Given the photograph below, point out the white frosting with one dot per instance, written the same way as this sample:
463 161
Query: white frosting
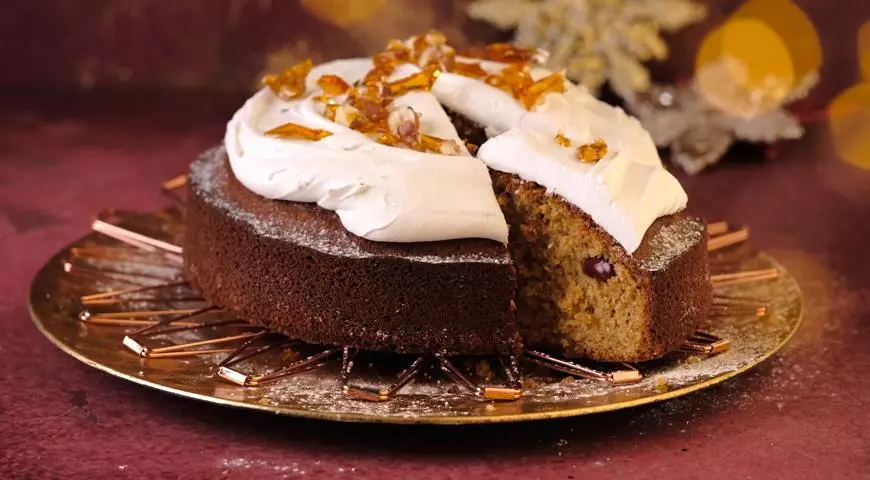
623 193
380 193
391 194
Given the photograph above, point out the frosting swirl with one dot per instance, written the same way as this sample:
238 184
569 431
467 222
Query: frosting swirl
380 193
385 193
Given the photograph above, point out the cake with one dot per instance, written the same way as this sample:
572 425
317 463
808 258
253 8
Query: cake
419 201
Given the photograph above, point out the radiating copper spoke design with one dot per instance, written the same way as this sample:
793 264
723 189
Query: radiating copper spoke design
160 304
619 373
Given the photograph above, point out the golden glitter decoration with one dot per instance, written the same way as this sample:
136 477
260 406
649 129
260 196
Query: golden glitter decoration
849 123
849 112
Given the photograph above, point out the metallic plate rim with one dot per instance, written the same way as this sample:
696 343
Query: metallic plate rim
409 420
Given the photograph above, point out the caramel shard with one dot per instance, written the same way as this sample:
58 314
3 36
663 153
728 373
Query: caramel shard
432 49
553 83
439 145
289 84
299 132
592 152
472 70
513 79
449 147
346 115
378 74
372 109
333 85
562 140
404 123
420 81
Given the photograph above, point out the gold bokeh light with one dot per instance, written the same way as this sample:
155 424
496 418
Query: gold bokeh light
849 113
344 13
754 61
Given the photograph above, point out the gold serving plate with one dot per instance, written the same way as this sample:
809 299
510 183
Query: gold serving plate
431 398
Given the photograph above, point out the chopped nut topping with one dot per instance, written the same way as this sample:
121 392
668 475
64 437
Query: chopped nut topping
440 145
562 140
366 107
289 84
592 152
296 131
345 114
432 49
404 123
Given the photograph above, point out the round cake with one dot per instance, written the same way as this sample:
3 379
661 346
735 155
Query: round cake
419 201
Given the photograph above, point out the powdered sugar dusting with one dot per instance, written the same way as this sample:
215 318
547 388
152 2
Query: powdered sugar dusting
752 339
671 241
431 397
208 174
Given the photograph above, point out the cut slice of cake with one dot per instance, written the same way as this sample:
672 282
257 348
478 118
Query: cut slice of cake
579 292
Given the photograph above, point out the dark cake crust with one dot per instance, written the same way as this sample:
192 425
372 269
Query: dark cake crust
292 267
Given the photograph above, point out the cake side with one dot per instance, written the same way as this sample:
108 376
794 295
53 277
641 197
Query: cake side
580 293
244 252
674 253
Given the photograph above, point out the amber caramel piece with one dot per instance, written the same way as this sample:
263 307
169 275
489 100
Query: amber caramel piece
299 132
345 114
562 140
513 79
592 152
553 83
378 74
420 81
333 85
432 49
289 84
373 110
467 69
439 145
386 138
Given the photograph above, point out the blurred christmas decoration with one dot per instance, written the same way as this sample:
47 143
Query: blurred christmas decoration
698 132
594 41
849 112
755 60
763 58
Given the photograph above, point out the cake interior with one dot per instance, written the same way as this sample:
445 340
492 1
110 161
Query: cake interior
575 291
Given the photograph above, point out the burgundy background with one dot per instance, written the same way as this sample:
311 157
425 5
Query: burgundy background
66 152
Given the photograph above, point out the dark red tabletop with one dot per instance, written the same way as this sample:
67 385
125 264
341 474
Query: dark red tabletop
803 414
